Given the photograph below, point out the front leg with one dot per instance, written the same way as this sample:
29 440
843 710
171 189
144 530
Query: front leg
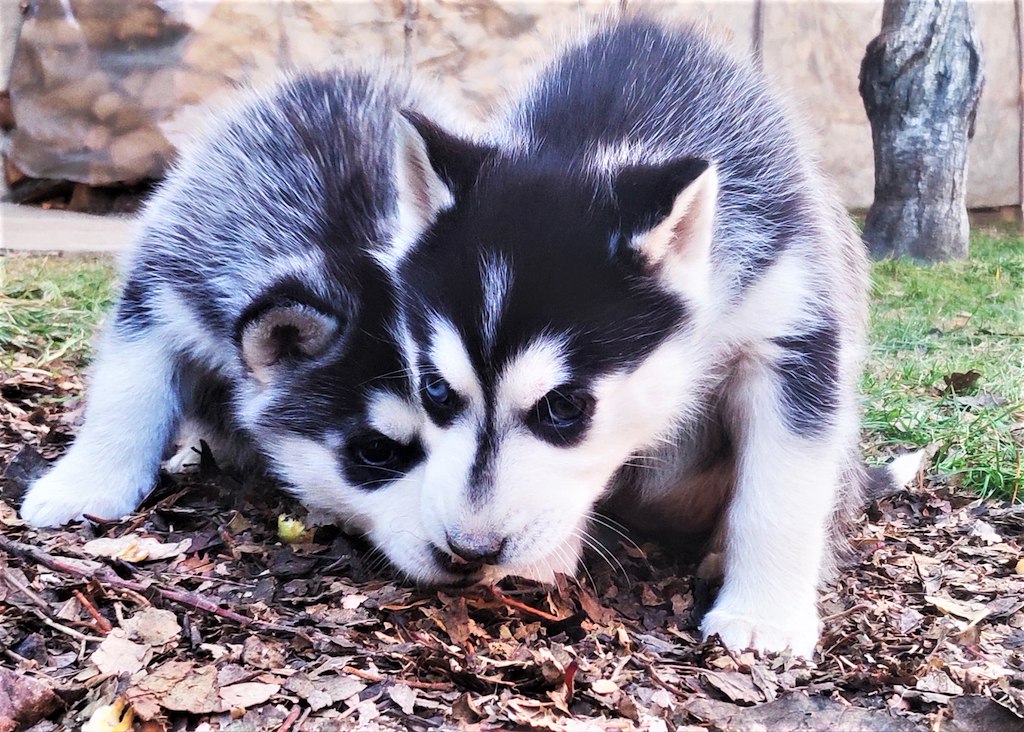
131 413
792 424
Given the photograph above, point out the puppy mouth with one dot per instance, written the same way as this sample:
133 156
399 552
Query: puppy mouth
460 572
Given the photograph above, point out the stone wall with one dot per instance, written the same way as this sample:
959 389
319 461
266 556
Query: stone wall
106 92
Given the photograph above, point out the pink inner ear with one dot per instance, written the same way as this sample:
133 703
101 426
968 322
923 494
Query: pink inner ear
282 333
685 234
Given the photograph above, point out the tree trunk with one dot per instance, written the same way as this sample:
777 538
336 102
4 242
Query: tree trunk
921 80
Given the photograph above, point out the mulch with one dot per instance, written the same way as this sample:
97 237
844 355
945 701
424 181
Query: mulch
195 614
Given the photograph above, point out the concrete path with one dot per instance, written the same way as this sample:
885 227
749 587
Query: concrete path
32 229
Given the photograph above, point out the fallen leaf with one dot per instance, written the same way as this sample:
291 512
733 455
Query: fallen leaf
734 685
604 686
986 533
961 382
117 655
180 687
404 696
938 682
152 626
949 606
134 549
248 694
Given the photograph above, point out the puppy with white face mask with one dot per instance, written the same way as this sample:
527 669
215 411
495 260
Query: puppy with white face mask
256 304
643 267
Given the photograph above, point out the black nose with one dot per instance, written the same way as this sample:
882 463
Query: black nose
476 551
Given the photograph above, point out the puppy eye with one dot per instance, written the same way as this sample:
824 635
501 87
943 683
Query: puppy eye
562 410
438 390
440 400
375 460
377 453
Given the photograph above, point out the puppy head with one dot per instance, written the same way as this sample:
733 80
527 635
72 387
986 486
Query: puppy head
296 198
552 314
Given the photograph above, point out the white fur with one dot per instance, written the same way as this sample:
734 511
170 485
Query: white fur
496 276
451 358
129 419
776 527
531 374
393 416
542 493
389 516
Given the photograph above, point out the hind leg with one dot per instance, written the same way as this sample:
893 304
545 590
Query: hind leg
132 412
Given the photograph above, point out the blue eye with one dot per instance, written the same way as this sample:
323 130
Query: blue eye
438 390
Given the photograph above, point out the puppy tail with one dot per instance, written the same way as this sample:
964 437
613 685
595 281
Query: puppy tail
885 480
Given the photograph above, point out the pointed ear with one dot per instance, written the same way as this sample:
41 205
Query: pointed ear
432 168
455 160
668 213
284 333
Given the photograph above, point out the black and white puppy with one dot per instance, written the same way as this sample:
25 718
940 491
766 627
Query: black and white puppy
643 267
256 303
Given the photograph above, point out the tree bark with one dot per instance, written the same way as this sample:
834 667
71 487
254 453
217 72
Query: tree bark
921 80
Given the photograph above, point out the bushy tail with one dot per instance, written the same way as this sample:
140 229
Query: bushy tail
884 480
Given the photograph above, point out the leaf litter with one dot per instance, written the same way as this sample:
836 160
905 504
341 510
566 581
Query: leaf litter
221 605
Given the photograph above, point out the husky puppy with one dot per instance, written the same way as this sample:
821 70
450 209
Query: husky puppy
643 268
254 304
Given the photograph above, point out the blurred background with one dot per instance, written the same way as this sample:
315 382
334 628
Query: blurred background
101 92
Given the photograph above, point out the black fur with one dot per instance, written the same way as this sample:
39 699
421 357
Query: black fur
810 379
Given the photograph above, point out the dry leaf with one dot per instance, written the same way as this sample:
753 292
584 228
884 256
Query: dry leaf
180 687
949 606
604 686
248 694
153 626
117 655
404 696
133 548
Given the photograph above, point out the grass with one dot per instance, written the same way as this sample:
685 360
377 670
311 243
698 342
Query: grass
931 322
50 306
927 323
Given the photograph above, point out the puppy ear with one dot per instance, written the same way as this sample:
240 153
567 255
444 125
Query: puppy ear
432 168
283 333
455 160
668 213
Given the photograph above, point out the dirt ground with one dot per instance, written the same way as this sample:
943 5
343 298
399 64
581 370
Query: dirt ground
193 614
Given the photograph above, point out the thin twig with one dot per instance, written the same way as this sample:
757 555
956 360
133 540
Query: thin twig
649 668
106 576
859 606
291 719
102 624
377 678
522 606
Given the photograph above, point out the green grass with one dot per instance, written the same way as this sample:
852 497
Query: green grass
927 323
49 308
930 322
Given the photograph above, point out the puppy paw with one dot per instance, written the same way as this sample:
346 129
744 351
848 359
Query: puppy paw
185 460
796 630
66 493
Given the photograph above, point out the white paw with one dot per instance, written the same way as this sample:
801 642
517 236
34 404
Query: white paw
185 460
67 492
796 629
